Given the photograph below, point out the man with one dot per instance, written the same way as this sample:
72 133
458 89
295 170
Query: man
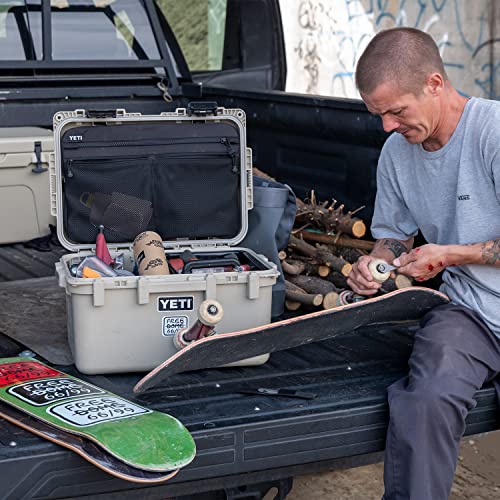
438 173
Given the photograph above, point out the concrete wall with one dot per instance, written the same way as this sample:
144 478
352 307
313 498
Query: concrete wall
324 39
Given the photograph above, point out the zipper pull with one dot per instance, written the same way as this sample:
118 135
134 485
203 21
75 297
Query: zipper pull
231 153
68 169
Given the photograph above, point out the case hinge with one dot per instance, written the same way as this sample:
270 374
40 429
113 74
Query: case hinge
202 108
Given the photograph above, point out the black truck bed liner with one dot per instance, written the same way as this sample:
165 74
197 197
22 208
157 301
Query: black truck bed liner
240 435
241 439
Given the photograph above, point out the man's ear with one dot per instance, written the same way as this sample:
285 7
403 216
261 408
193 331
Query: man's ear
435 84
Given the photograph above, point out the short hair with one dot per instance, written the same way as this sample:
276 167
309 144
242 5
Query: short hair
404 56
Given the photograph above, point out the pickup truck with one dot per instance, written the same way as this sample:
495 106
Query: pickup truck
248 445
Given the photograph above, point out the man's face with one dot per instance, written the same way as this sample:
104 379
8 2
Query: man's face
407 114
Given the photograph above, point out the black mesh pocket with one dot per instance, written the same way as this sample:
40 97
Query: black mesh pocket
113 192
197 196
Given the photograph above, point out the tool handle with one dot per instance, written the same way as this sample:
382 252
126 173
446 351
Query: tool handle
197 264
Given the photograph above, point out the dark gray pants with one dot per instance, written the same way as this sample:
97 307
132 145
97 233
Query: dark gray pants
454 354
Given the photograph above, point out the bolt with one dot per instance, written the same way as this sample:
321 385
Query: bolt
27 354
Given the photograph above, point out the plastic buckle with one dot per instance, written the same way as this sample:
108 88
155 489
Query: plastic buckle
202 108
101 113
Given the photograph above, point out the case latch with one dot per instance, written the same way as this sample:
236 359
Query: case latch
202 108
101 113
38 155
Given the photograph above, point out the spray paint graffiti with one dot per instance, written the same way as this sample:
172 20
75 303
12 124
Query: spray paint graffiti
325 38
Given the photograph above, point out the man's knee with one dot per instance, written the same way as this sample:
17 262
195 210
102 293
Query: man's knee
431 400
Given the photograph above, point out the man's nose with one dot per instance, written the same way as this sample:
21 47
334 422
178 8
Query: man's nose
389 123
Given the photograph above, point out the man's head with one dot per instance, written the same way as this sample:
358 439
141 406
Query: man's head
401 77
403 56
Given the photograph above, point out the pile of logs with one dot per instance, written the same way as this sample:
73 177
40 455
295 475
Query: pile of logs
324 245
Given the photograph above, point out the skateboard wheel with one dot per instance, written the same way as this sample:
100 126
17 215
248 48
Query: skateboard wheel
378 276
179 341
210 312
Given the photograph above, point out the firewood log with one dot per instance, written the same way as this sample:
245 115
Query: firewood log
293 267
330 218
313 284
320 255
296 294
351 255
341 241
397 283
330 300
338 279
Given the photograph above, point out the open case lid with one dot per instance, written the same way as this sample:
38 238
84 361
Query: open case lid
185 174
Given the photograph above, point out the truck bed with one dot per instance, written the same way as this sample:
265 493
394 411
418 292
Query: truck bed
241 439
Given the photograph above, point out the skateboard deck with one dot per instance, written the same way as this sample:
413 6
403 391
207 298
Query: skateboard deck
84 447
407 304
129 433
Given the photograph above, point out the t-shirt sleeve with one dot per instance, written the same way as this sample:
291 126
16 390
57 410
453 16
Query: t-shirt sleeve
490 144
391 218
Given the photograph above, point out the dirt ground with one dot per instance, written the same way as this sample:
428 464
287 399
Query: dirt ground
477 477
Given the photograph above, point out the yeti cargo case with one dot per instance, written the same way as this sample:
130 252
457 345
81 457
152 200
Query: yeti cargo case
185 175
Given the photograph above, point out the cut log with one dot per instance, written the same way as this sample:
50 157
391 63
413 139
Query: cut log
350 255
325 256
330 218
321 255
338 279
296 267
282 255
295 293
403 281
291 305
293 267
312 284
397 283
330 300
341 241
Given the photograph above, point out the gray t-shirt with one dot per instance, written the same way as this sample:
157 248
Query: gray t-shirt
453 196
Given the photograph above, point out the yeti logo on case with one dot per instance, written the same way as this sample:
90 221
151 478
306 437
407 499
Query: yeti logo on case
175 304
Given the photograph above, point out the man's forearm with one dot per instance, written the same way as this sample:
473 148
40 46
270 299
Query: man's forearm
486 253
389 248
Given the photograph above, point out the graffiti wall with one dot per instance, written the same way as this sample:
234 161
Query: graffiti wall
324 39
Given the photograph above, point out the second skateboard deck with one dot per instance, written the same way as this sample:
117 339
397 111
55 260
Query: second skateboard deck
83 447
137 436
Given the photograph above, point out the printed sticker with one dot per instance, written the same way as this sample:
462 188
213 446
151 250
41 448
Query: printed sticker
50 391
171 324
175 304
11 373
91 411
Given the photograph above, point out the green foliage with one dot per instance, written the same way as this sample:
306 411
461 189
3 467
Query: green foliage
189 21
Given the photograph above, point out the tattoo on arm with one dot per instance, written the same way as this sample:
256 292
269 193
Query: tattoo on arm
395 246
490 251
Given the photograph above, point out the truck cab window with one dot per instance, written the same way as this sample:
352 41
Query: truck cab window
20 31
101 29
201 33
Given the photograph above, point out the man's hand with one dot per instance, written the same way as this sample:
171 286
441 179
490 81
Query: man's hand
360 279
423 263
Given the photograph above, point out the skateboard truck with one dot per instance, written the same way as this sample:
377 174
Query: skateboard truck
210 313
